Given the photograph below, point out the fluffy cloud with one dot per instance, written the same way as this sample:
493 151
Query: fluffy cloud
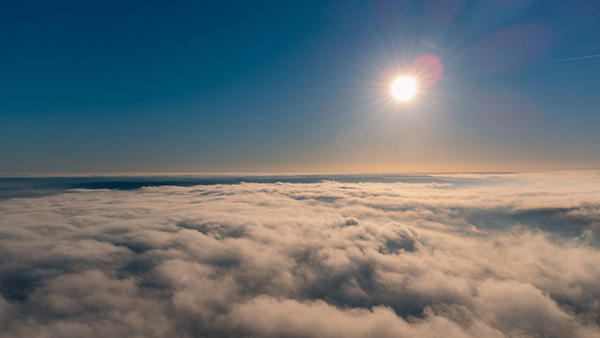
455 256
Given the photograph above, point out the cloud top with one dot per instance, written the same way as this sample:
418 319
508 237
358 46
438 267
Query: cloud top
460 256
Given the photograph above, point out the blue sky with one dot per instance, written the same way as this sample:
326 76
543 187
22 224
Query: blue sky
296 86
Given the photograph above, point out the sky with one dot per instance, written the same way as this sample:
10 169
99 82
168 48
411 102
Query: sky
296 86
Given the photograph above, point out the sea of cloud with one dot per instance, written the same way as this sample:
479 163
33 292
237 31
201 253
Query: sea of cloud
483 256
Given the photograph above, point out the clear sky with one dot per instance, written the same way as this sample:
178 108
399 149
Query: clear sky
297 86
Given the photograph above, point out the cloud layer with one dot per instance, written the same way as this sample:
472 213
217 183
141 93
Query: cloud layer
483 256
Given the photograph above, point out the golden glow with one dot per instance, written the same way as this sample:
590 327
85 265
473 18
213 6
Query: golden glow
404 88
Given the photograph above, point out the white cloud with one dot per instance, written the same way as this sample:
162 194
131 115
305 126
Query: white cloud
486 256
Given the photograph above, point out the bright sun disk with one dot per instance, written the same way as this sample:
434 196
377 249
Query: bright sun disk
404 88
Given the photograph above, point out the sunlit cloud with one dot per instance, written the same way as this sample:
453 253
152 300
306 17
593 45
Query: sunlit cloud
453 255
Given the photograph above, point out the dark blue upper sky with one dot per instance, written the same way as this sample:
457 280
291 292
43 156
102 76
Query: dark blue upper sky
296 86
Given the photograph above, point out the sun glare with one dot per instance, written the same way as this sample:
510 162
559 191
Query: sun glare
404 88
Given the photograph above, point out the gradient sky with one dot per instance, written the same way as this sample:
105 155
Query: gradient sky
296 86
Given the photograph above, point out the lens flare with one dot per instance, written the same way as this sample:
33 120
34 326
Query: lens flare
404 88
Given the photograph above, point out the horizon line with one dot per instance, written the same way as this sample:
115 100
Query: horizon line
279 174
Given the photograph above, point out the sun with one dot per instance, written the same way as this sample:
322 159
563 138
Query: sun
404 88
